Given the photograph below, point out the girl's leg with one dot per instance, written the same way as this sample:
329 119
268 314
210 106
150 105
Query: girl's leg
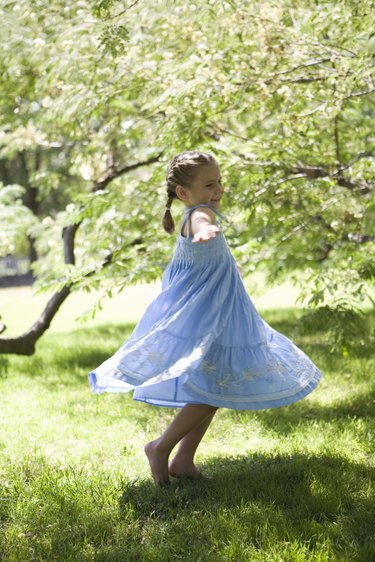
158 451
183 462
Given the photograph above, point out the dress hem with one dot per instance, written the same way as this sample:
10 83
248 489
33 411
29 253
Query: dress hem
238 405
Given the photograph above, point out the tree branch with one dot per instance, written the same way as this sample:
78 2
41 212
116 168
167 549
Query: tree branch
305 80
337 141
328 46
359 94
68 235
113 173
124 11
304 65
25 343
284 72
314 172
367 154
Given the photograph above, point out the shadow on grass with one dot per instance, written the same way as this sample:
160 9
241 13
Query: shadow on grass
66 356
259 507
323 506
312 336
312 500
89 348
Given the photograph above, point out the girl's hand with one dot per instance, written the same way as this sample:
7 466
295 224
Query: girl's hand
205 234
239 269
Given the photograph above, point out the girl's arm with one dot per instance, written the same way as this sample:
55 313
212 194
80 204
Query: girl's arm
203 225
239 269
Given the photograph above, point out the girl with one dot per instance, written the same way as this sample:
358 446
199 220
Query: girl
201 344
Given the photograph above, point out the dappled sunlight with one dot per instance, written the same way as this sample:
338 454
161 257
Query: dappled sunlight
78 482
96 98
294 496
75 467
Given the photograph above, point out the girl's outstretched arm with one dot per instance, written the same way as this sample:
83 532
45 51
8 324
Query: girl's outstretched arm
203 225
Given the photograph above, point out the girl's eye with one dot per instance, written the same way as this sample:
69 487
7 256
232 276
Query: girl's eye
212 185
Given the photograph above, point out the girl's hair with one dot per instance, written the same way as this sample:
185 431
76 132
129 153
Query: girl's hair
182 170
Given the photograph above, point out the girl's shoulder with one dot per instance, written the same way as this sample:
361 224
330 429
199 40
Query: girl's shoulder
198 219
203 213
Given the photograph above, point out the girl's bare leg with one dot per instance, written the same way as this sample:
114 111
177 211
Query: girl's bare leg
183 462
190 417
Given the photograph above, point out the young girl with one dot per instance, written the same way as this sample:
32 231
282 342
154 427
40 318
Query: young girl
201 344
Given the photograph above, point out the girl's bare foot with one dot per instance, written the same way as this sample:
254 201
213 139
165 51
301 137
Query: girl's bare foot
158 463
180 469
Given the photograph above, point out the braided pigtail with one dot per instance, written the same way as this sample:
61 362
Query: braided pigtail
168 222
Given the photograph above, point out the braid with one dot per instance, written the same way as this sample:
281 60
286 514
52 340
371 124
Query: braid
181 171
168 222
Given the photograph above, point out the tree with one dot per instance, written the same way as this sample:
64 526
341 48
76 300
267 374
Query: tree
66 153
282 94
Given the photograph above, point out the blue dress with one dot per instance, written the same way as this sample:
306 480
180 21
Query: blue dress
201 341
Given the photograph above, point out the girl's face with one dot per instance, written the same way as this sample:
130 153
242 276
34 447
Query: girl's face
206 188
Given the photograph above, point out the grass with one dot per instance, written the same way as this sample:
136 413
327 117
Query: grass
289 484
128 306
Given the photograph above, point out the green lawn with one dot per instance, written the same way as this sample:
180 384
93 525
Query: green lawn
21 306
290 484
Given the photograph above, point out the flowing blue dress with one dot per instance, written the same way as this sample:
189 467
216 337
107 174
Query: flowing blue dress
201 341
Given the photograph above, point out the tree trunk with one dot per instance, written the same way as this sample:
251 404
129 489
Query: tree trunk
25 343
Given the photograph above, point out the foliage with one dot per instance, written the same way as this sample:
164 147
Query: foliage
10 207
282 93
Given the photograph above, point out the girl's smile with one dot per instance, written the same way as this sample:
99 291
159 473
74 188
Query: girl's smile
206 188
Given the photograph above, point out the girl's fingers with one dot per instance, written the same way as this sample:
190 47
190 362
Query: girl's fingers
203 235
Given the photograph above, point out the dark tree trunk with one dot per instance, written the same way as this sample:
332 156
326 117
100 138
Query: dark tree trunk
25 343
